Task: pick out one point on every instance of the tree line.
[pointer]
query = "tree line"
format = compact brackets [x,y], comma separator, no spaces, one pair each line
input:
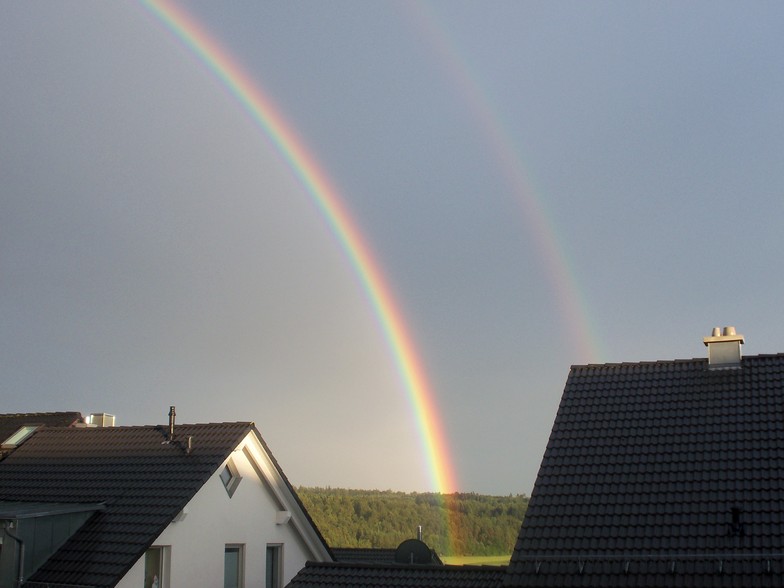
[452,524]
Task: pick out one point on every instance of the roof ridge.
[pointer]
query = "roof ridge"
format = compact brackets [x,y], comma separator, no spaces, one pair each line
[667,361]
[16,415]
[244,424]
[398,566]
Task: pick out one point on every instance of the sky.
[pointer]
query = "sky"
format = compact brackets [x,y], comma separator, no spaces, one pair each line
[539,184]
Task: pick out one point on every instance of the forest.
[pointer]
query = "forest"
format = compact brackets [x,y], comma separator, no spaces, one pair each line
[452,524]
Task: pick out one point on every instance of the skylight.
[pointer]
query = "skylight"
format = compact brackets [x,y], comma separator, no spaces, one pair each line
[19,436]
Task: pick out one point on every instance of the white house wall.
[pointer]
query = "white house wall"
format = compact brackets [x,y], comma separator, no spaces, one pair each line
[214,520]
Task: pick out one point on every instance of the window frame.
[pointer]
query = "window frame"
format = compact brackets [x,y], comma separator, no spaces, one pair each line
[19,436]
[164,565]
[240,548]
[230,477]
[273,578]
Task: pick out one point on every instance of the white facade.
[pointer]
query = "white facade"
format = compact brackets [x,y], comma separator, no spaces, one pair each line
[261,512]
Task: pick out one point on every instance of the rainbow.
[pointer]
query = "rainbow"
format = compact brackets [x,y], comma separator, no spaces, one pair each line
[581,333]
[327,198]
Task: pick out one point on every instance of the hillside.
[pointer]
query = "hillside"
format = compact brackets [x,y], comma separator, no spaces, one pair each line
[452,524]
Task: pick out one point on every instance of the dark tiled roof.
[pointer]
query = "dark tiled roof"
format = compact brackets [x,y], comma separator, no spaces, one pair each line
[345,575]
[10,423]
[361,555]
[662,474]
[142,481]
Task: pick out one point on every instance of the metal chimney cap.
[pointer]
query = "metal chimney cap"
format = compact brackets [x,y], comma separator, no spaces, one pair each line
[100,419]
[728,334]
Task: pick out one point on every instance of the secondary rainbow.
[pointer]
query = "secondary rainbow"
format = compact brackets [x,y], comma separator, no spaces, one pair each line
[582,334]
[327,198]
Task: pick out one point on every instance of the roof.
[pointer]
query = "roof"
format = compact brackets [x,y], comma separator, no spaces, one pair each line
[372,555]
[364,555]
[661,473]
[343,575]
[143,481]
[10,423]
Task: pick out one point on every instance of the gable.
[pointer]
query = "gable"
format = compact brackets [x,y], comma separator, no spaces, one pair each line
[291,510]
[258,512]
[258,497]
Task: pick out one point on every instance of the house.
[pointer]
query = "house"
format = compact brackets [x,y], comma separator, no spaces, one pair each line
[664,473]
[150,506]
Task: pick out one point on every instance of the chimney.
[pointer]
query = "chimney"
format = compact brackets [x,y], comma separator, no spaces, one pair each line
[172,414]
[100,419]
[724,348]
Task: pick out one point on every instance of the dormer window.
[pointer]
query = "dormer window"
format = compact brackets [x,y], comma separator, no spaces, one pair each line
[19,436]
[230,477]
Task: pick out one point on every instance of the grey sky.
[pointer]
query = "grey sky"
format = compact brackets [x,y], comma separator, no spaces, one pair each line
[155,249]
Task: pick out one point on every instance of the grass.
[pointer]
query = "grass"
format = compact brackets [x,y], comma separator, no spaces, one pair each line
[476,560]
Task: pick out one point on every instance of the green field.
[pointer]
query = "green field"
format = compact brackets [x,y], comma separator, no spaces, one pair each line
[476,560]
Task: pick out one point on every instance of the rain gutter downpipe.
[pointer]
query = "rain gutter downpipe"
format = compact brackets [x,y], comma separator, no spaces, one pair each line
[6,528]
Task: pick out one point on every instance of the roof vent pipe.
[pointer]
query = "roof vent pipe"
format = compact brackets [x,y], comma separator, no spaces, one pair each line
[172,414]
[419,532]
[724,348]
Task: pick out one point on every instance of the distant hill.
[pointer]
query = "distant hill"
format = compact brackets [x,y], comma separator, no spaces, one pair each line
[478,524]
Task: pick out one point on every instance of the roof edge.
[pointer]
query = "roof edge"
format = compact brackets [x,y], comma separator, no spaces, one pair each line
[664,361]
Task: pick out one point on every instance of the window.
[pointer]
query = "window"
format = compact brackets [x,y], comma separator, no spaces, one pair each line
[230,477]
[233,566]
[274,566]
[20,435]
[156,566]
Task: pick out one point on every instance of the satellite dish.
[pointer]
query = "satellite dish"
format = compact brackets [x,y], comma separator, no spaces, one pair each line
[413,551]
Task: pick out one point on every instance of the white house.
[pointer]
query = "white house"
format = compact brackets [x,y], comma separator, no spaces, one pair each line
[153,506]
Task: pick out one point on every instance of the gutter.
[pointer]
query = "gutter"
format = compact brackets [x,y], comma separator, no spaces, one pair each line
[6,527]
